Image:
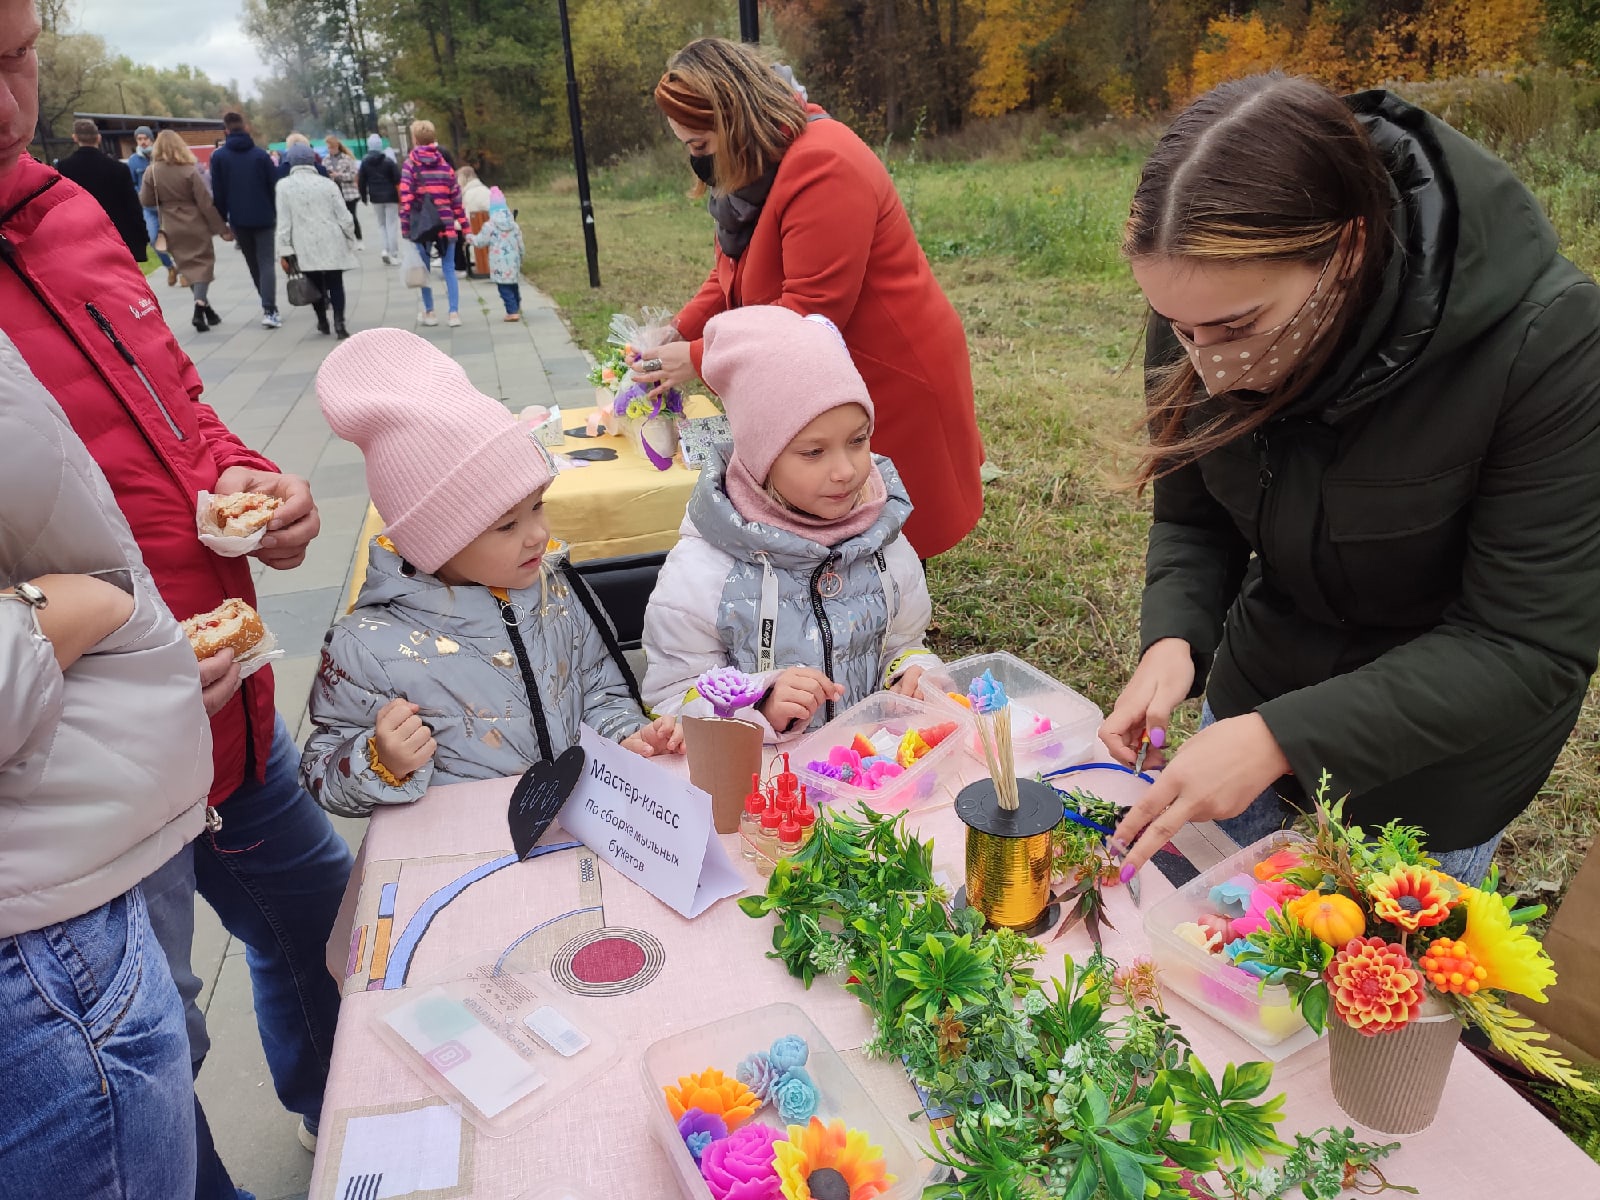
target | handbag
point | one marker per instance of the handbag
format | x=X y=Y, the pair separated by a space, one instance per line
x=161 y=232
x=415 y=272
x=302 y=290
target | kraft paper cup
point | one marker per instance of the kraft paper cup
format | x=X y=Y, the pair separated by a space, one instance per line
x=1393 y=1082
x=723 y=754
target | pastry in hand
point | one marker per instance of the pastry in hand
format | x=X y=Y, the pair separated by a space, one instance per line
x=243 y=513
x=232 y=625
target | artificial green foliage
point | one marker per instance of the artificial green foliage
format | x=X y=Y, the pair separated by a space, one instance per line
x=1058 y=1092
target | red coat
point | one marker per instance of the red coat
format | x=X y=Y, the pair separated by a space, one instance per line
x=833 y=238
x=77 y=308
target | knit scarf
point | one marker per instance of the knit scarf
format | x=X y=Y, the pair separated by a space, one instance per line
x=752 y=502
x=736 y=213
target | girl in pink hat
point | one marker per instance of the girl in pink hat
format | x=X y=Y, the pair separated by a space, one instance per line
x=474 y=649
x=790 y=564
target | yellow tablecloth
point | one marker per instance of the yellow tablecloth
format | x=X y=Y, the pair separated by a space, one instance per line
x=602 y=510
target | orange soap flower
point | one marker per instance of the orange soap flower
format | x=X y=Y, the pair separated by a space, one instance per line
x=1411 y=897
x=829 y=1161
x=1450 y=967
x=1373 y=986
x=1276 y=865
x=1332 y=917
x=712 y=1092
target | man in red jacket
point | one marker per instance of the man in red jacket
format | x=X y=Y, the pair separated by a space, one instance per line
x=88 y=325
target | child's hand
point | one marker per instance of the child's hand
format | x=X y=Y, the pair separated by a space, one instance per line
x=906 y=685
x=404 y=742
x=662 y=736
x=796 y=695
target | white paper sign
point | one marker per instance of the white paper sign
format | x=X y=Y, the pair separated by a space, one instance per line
x=650 y=825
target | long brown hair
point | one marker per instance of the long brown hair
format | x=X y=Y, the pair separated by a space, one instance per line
x=170 y=148
x=753 y=112
x=1269 y=168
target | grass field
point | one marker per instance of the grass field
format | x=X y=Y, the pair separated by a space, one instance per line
x=1026 y=249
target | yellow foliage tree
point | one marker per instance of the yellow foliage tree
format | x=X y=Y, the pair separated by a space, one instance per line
x=1238 y=46
x=1000 y=40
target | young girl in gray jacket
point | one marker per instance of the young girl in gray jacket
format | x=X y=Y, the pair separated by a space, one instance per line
x=790 y=564
x=474 y=650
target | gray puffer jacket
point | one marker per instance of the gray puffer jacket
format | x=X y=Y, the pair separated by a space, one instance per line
x=104 y=769
x=705 y=611
x=447 y=650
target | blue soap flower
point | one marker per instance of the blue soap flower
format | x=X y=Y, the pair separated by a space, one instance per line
x=795 y=1096
x=789 y=1051
x=1231 y=898
x=987 y=693
x=1260 y=970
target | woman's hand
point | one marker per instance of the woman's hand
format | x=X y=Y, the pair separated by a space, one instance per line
x=1217 y=773
x=662 y=736
x=677 y=367
x=1162 y=682
x=293 y=525
x=796 y=695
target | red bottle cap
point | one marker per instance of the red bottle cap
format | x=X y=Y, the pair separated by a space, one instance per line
x=771 y=818
x=789 y=832
x=788 y=781
x=805 y=816
x=755 y=801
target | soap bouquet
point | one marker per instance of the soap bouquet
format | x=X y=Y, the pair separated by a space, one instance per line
x=743 y=1158
x=629 y=336
x=1363 y=923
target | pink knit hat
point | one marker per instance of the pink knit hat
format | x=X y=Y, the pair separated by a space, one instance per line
x=443 y=460
x=776 y=372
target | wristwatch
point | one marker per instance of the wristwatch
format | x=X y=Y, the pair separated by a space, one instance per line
x=28 y=594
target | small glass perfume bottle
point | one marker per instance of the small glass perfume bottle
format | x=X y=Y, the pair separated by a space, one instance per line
x=806 y=817
x=767 y=838
x=750 y=819
x=788 y=835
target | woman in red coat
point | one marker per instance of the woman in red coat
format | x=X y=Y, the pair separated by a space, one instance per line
x=807 y=217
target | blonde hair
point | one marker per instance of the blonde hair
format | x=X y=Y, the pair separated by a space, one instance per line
x=754 y=112
x=465 y=174
x=296 y=139
x=335 y=145
x=423 y=133
x=170 y=148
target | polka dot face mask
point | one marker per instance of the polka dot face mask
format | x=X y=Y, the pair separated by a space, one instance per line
x=1262 y=361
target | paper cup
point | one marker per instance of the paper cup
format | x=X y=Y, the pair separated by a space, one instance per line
x=1393 y=1082
x=723 y=754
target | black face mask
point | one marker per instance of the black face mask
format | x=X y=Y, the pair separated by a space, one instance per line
x=703 y=165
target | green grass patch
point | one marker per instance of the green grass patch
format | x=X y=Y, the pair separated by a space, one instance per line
x=1026 y=248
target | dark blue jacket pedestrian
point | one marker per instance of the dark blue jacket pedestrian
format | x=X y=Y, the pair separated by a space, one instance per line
x=243 y=182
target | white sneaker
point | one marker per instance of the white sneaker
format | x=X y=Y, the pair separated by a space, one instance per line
x=426 y=318
x=271 y=320
x=455 y=321
x=387 y=261
x=361 y=247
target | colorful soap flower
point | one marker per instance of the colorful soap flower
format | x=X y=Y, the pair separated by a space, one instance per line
x=1450 y=966
x=699 y=1129
x=757 y=1072
x=795 y=1096
x=788 y=1052
x=1276 y=865
x=1373 y=986
x=742 y=1165
x=830 y=1162
x=1198 y=936
x=713 y=1092
x=912 y=747
x=1234 y=949
x=1231 y=897
x=1511 y=957
x=1264 y=898
x=728 y=689
x=988 y=694
x=1411 y=897
x=1333 y=917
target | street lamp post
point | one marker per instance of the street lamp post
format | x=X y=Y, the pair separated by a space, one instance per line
x=749 y=21
x=580 y=160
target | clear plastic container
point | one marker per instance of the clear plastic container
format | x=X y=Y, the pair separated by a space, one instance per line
x=1074 y=721
x=930 y=781
x=557 y=1190
x=1262 y=1016
x=723 y=1043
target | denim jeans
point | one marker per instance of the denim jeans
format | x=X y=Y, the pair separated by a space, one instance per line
x=1269 y=812
x=152 y=226
x=388 y=217
x=511 y=296
x=97 y=1094
x=257 y=246
x=447 y=266
x=275 y=874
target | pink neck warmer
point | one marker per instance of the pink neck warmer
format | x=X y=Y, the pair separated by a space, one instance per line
x=752 y=502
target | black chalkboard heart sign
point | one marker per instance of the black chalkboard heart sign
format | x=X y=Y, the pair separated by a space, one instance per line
x=539 y=795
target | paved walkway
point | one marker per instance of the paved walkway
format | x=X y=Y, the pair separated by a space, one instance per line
x=262 y=384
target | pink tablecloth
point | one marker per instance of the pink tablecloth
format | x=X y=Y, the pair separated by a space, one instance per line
x=1486 y=1143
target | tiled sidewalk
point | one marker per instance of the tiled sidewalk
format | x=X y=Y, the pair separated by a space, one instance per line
x=262 y=384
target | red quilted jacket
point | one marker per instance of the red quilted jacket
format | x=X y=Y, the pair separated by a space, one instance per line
x=82 y=315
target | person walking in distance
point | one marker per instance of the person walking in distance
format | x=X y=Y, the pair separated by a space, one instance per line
x=243 y=186
x=316 y=236
x=188 y=217
x=106 y=179
x=343 y=168
x=378 y=185
x=138 y=163
x=432 y=215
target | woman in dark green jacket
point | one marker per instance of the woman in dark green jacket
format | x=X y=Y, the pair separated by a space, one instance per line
x=1373 y=390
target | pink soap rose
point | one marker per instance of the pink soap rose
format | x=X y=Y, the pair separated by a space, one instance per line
x=739 y=1166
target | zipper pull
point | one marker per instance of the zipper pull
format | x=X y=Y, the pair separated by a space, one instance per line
x=1263 y=453
x=829 y=584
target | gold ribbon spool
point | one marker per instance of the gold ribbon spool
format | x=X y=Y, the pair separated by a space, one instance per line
x=1008 y=879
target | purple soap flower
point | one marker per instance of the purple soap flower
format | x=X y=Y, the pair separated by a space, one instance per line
x=758 y=1073
x=728 y=689
x=739 y=1166
x=699 y=1129
x=988 y=694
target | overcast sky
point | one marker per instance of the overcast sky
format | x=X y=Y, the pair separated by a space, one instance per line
x=207 y=34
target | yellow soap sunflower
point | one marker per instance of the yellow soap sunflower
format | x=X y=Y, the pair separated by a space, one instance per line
x=829 y=1162
x=1511 y=956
